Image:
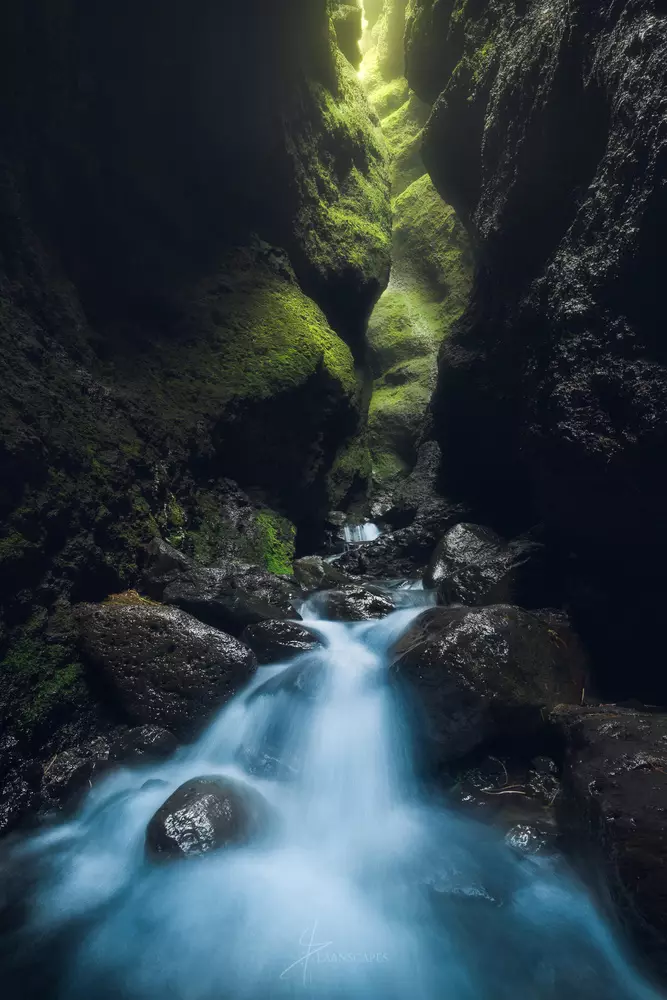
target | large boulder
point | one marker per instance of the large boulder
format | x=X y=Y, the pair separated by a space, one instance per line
x=161 y=665
x=204 y=815
x=473 y=565
x=232 y=602
x=615 y=793
x=273 y=641
x=478 y=673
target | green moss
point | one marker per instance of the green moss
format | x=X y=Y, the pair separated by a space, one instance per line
x=430 y=238
x=350 y=472
x=220 y=535
x=277 y=542
x=39 y=678
x=403 y=132
x=387 y=97
x=266 y=337
x=345 y=222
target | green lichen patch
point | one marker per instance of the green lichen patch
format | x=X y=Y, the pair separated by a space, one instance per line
x=276 y=544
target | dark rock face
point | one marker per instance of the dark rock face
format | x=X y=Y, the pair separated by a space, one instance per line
x=231 y=603
x=419 y=516
x=143 y=745
x=616 y=788
x=480 y=672
x=353 y=604
x=549 y=138
x=161 y=665
x=273 y=641
x=473 y=565
x=204 y=815
x=315 y=573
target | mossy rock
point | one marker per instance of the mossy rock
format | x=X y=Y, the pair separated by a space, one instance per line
x=347 y=22
x=343 y=230
x=403 y=131
x=42 y=681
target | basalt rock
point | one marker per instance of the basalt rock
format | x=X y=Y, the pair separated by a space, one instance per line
x=478 y=673
x=160 y=665
x=315 y=573
x=473 y=565
x=232 y=603
x=204 y=815
x=548 y=137
x=273 y=641
x=615 y=794
x=353 y=604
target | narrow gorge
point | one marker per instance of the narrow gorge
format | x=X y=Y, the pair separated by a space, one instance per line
x=331 y=499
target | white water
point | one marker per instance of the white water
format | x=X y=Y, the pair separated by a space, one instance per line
x=355 y=534
x=365 y=888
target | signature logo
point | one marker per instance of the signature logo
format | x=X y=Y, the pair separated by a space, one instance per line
x=322 y=953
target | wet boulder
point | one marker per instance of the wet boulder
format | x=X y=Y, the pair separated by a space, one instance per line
x=479 y=673
x=315 y=573
x=273 y=641
x=161 y=665
x=473 y=565
x=232 y=602
x=615 y=794
x=353 y=604
x=203 y=815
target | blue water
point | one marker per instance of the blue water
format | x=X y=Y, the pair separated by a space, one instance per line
x=364 y=887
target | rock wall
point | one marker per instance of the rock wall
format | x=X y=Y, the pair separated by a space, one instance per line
x=195 y=225
x=548 y=136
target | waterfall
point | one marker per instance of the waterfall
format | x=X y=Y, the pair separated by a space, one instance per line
x=354 y=534
x=365 y=886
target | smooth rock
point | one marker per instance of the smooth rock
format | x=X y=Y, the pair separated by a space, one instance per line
x=163 y=564
x=161 y=665
x=203 y=815
x=476 y=673
x=473 y=565
x=273 y=641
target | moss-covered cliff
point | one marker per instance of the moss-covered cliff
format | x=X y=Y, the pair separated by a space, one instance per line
x=195 y=227
x=431 y=264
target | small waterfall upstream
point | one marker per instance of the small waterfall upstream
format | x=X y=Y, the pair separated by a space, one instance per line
x=355 y=534
x=364 y=886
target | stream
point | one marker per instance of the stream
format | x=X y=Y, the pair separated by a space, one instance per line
x=364 y=885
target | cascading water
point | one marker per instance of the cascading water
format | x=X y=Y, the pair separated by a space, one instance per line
x=363 y=887
x=355 y=534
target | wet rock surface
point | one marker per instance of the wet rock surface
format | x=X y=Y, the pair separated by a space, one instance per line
x=615 y=794
x=353 y=603
x=273 y=641
x=232 y=602
x=204 y=815
x=161 y=665
x=473 y=565
x=548 y=135
x=476 y=673
x=317 y=573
